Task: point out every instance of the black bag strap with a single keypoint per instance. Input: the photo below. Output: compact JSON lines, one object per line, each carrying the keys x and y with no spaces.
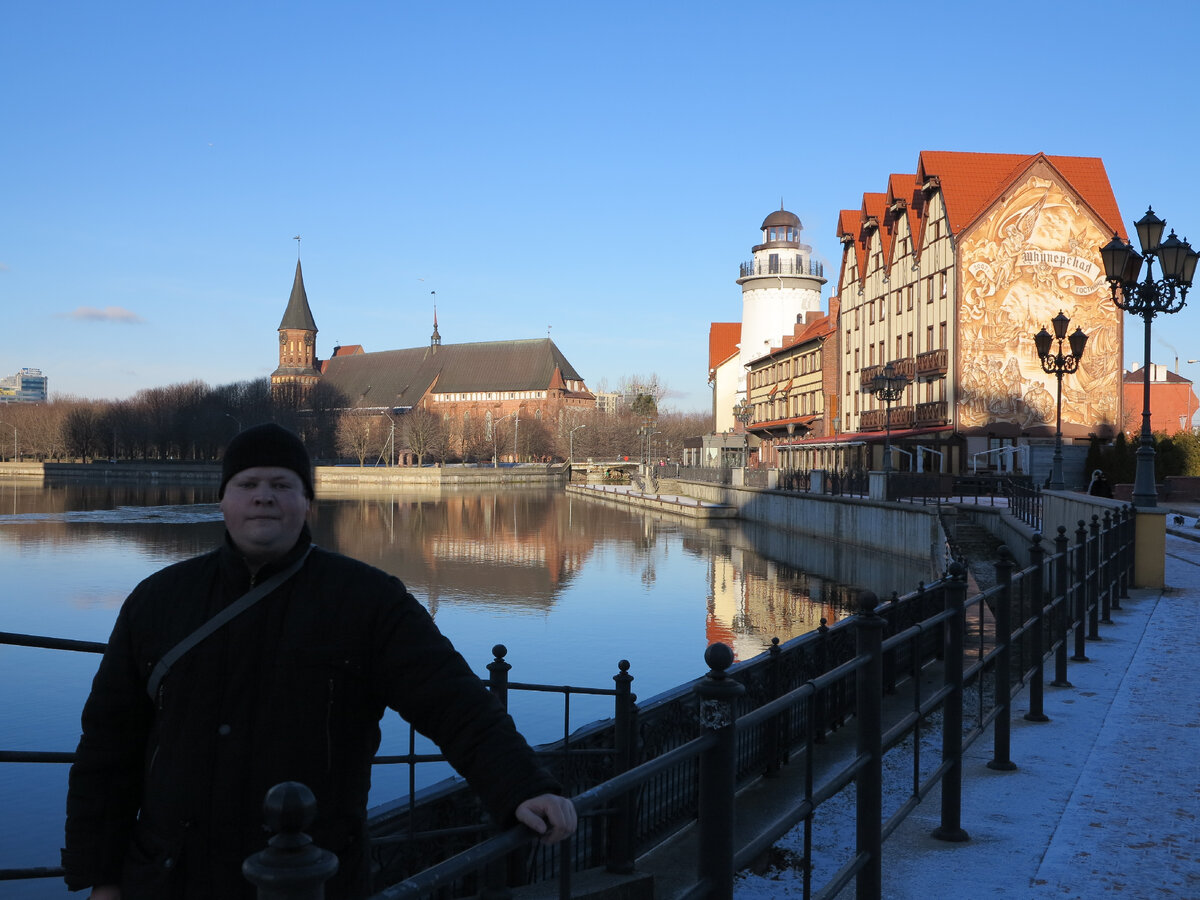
{"x":233,"y":610}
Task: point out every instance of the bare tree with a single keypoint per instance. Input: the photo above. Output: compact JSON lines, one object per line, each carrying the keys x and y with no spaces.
{"x":424,"y":432}
{"x":354,"y":435}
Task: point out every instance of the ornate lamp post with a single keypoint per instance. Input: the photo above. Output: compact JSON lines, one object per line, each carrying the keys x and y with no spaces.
{"x":1059,"y":364}
{"x":1122,"y":267}
{"x":744,"y":412}
{"x":888,"y":385}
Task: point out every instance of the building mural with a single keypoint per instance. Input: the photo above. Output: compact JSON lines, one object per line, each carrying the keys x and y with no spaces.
{"x":1036,"y":253}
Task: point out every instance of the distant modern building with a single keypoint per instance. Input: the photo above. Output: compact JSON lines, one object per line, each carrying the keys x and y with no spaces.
{"x":1173,"y":401}
{"x":27,"y":386}
{"x":609,"y":401}
{"x":467,"y":384}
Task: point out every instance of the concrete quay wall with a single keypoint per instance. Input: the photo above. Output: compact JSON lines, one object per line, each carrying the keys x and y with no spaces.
{"x":895,"y":528}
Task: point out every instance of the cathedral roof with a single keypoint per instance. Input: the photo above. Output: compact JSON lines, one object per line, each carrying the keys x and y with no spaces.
{"x":392,"y":378}
{"x":298,"y":315}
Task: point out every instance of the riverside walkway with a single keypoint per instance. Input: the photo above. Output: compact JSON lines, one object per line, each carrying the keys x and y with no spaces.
{"x":1105,"y":800}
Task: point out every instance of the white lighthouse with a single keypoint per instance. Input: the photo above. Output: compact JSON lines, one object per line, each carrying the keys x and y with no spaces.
{"x":781,"y":285}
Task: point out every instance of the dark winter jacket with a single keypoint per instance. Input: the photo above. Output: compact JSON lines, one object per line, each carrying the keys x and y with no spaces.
{"x":166,"y":795}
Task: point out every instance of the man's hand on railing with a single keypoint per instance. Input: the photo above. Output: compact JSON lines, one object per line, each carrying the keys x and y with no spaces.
{"x":549,"y":815}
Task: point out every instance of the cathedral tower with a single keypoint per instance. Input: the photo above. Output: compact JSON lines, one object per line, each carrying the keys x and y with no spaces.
{"x":297,"y":341}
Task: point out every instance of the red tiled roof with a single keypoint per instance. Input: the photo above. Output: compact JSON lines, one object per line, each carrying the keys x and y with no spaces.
{"x":348,"y":350}
{"x":723,"y":338}
{"x":971,"y":182}
{"x":874,"y":206}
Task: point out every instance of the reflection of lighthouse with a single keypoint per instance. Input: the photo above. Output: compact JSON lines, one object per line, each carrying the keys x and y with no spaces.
{"x":781,"y":285}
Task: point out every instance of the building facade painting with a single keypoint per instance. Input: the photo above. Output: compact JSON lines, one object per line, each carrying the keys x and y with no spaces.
{"x":1036,"y":253}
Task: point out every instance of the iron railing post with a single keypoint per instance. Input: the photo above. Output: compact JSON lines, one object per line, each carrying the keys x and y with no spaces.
{"x":955,"y":589}
{"x":820,"y":699}
{"x":1125,"y":553}
{"x":718,"y":772}
{"x":773,"y":739}
{"x":1061,"y":606}
{"x":620,"y":822}
{"x":1093,"y":579}
{"x":1037,"y":557}
{"x":1002,"y":734}
{"x":868,"y":688}
{"x":498,"y":670}
{"x":1107,"y":569}
{"x":1080,"y":592}
{"x":292,"y":867}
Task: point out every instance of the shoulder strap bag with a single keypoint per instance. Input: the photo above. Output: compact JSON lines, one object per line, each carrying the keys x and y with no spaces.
{"x":233,"y":610}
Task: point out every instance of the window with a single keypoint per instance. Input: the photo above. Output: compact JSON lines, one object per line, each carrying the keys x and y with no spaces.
{"x":855,"y":359}
{"x":871,"y":353}
{"x":942,"y":277}
{"x":898,"y":301}
{"x":929,"y":338}
{"x":899,"y":347}
{"x":929,"y":289}
{"x":773,"y":263}
{"x":910,"y":346}
{"x":872,"y":322}
{"x":942,"y":335}
{"x":910,"y":295}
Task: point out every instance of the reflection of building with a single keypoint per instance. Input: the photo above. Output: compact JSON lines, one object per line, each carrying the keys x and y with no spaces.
{"x":948,"y":275}
{"x":1173,"y":402}
{"x":749,"y":608}
{"x":473,"y":384}
{"x":27,"y":386}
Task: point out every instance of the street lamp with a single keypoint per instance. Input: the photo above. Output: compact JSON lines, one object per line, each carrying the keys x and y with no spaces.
{"x":571,"y":443}
{"x":744,"y":412}
{"x":236,"y":421}
{"x":888,"y":385}
{"x":1122,"y":267}
{"x":14,"y":428}
{"x":495,"y":429}
{"x":1059,"y":364}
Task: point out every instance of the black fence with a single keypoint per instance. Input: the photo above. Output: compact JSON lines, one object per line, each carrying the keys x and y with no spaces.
{"x":676,"y":763}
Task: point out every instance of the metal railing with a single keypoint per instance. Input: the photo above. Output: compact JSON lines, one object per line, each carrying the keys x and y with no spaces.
{"x":782,"y":266}
{"x":644,"y":774}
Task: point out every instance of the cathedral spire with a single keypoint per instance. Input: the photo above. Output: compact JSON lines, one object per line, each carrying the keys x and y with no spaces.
{"x":435,"y":339}
{"x":298,"y":315}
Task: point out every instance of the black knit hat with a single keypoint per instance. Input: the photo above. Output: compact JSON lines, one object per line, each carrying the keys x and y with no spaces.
{"x":266,"y":445}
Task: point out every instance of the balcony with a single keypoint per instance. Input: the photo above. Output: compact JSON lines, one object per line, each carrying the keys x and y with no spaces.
{"x":782,"y":267}
{"x":867,"y":374}
{"x":935,"y":413}
{"x":931,"y":364}
{"x":905,"y":367}
{"x":902,"y":417}
{"x":870,"y":420}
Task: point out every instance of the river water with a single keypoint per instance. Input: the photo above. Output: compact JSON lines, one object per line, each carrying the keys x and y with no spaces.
{"x":569,"y":586}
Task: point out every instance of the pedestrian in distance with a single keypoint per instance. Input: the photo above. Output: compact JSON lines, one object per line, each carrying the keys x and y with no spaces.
{"x":266,"y":660}
{"x":1099,"y":486}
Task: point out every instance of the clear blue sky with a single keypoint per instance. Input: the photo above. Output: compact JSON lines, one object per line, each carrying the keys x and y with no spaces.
{"x":599,"y":169}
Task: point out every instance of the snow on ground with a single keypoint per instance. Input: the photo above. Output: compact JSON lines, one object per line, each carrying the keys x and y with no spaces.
{"x":1105,"y":801}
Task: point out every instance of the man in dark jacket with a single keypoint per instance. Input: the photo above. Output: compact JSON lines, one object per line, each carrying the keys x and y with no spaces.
{"x":165,"y":796}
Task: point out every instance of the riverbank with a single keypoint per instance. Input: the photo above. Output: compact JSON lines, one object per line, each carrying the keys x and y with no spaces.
{"x":325,"y":478}
{"x":676,"y":504}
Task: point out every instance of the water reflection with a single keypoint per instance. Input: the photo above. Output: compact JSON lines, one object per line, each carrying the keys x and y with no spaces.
{"x":570,"y":587}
